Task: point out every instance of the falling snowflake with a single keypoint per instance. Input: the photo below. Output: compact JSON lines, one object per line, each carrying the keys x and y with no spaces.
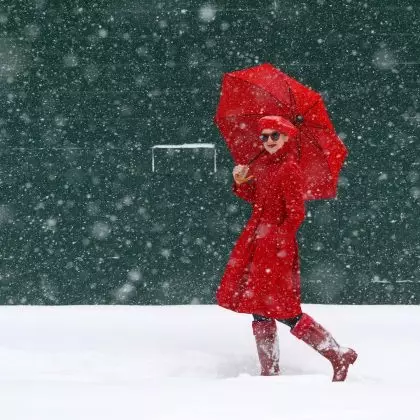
{"x":207,"y":13}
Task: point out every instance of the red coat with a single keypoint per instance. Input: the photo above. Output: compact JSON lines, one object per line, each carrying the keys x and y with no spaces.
{"x":262,"y":275}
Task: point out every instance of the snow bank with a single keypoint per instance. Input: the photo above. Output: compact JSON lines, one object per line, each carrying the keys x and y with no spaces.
{"x":199,"y":362}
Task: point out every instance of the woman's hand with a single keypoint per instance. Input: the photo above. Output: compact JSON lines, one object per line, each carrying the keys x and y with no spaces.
{"x":239,"y":174}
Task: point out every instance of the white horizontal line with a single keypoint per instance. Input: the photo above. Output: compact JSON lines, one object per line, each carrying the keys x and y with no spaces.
{"x":184,"y":146}
{"x":99,"y":148}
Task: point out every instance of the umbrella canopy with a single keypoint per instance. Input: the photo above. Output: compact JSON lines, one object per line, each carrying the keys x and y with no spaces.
{"x":248,"y":95}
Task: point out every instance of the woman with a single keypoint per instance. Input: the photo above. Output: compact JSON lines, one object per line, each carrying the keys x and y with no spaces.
{"x":262,"y":276}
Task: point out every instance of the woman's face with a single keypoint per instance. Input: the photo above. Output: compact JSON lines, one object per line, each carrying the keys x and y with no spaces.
{"x":273,"y":140}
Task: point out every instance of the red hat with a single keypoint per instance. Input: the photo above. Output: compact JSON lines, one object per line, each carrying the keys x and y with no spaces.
{"x":275,"y":122}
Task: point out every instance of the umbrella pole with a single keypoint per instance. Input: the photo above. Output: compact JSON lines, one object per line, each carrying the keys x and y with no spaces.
{"x":256,"y":156}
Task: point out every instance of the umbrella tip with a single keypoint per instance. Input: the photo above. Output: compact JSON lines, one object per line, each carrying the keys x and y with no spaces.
{"x":299,"y":119}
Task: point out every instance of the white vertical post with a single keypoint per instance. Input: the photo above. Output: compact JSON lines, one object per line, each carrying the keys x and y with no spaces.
{"x":215,"y":167}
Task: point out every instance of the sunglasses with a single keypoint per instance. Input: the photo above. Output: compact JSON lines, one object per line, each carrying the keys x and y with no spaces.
{"x":275,"y":136}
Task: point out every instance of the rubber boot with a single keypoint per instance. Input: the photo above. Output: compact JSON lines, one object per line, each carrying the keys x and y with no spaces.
{"x":265,"y":333}
{"x":312,"y":333}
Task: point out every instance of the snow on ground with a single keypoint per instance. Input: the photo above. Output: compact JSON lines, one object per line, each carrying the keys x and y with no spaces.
{"x":200,"y":362}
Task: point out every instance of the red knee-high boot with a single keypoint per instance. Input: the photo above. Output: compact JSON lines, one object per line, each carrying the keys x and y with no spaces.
{"x":312,"y":333}
{"x":265,"y":333}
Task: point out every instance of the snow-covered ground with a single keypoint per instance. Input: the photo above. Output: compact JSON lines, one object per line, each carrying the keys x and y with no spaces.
{"x":199,"y":362}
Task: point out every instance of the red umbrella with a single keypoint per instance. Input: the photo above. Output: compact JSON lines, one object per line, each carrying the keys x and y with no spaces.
{"x":249,"y":94}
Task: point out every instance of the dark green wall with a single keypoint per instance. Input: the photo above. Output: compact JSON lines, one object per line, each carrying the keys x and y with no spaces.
{"x":88,"y":87}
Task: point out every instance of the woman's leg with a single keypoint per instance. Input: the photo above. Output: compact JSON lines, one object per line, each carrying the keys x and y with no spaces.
{"x":290,"y":322}
{"x":260,"y":318}
{"x":265,"y":333}
{"x":316,"y":336}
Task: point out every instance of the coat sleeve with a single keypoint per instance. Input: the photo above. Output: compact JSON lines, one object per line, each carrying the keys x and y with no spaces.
{"x":293,"y":194}
{"x":246,"y":191}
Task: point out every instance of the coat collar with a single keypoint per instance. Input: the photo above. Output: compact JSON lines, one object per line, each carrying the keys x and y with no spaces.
{"x":288,"y":150}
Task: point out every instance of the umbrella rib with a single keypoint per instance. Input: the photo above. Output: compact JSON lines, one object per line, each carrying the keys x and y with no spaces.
{"x":299,"y":147}
{"x":276,"y":99}
{"x":315,"y":103}
{"x":292,"y":100}
{"x":240,"y":115}
{"x":323,"y":127}
{"x":314,"y":141}
{"x":252,"y":84}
